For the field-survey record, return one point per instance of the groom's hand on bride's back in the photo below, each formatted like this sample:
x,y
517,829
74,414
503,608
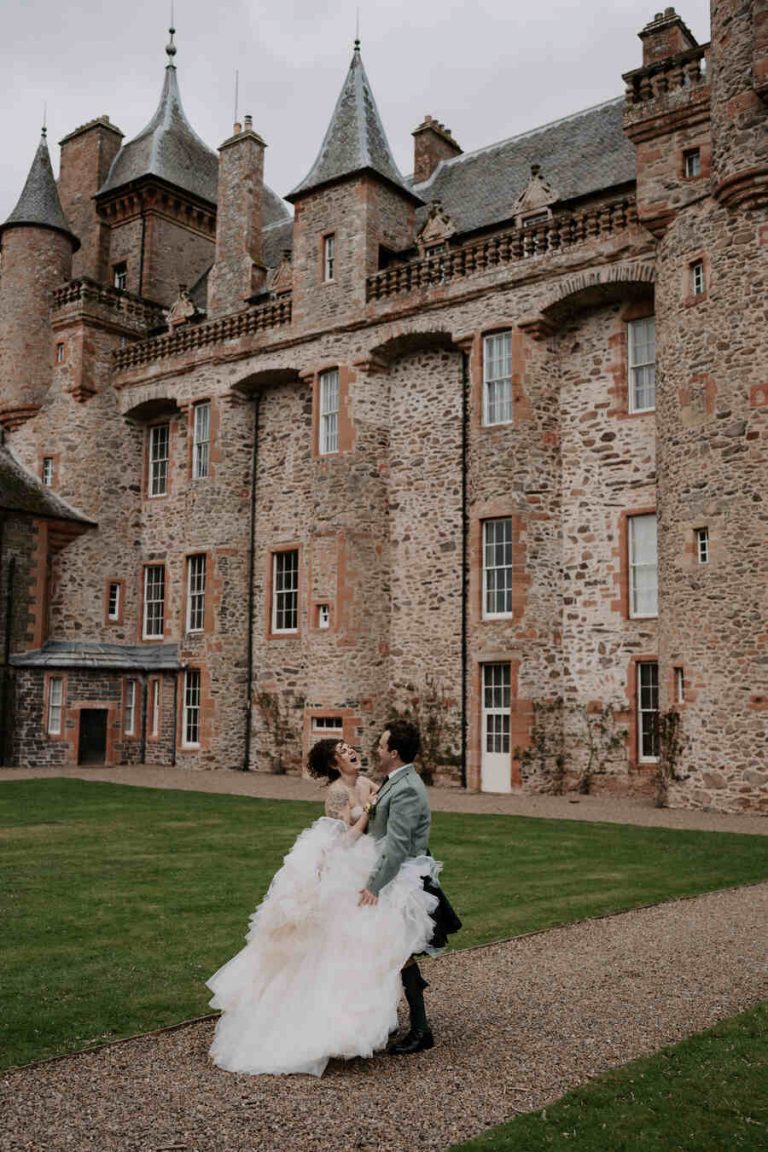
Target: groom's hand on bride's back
x,y
368,898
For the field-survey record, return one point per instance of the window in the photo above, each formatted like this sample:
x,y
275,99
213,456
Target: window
x,y
191,720
497,378
196,593
326,727
535,220
323,615
55,697
154,708
496,708
60,353
48,471
285,591
329,256
129,712
679,686
114,598
698,282
159,439
647,712
154,601
692,163
702,545
641,339
201,437
497,568
120,276
643,587
329,412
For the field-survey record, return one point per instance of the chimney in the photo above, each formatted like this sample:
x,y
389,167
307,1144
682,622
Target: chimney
x,y
665,36
86,157
238,271
433,142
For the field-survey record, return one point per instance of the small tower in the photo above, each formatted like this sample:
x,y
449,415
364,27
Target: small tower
x,y
37,247
352,208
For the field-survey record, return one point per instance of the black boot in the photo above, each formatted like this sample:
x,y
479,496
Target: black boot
x,y
420,1037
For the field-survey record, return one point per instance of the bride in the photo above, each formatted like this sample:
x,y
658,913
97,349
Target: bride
x,y
319,975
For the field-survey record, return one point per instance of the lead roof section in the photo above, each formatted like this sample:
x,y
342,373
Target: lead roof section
x,y
355,140
88,654
39,202
22,492
581,155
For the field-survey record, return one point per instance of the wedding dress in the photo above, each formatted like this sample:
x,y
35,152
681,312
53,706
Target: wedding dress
x,y
319,975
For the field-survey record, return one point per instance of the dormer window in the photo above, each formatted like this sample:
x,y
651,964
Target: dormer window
x,y
120,276
329,257
535,220
435,249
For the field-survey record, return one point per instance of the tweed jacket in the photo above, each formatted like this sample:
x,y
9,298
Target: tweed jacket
x,y
401,819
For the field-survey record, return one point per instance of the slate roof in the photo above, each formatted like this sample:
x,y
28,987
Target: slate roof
x,y
581,154
355,140
39,201
21,491
88,654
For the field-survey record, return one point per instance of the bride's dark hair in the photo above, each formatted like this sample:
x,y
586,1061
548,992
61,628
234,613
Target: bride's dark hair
x,y
321,760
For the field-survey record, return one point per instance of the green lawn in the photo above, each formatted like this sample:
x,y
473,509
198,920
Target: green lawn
x,y
118,902
707,1094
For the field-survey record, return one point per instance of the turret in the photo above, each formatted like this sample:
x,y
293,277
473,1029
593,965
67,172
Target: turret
x,y
351,211
37,247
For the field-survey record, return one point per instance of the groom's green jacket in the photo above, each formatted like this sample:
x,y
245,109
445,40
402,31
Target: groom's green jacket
x,y
401,819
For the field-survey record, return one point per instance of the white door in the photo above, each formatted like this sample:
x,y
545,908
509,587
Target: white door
x,y
496,758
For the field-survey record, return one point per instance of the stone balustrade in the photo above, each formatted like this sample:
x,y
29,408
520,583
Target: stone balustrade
x,y
190,337
560,232
87,291
685,70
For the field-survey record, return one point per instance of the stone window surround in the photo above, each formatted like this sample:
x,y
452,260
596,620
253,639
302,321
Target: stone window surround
x,y
690,298
62,677
60,352
621,604
169,474
135,732
166,613
325,238
55,458
640,615
521,579
269,586
631,411
352,725
109,620
193,408
346,435
619,363
111,709
330,376
207,599
497,330
704,148
184,745
521,715
486,615
633,734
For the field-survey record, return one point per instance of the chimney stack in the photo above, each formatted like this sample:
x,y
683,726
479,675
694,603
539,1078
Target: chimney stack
x,y
238,271
433,142
665,36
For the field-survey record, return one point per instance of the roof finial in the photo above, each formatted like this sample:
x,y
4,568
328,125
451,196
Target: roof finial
x,y
45,120
357,29
171,47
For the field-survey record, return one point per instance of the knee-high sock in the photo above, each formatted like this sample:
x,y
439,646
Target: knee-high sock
x,y
414,985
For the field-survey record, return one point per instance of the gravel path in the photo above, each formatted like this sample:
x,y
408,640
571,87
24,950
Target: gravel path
x,y
518,1024
613,810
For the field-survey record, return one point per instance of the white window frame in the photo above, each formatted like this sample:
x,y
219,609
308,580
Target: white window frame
x,y
702,545
155,706
196,580
641,363
698,278
150,617
191,708
328,417
55,705
645,690
113,613
497,577
324,728
60,352
201,440
158,452
129,710
497,378
692,159
120,276
329,257
285,592
638,564
497,708
323,616
47,475
679,685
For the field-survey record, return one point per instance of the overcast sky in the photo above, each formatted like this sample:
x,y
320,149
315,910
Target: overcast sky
x,y
489,69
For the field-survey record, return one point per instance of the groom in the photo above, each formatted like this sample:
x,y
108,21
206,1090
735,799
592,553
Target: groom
x,y
401,819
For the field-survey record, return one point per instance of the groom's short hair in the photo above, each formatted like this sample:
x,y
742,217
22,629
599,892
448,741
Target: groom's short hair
x,y
405,739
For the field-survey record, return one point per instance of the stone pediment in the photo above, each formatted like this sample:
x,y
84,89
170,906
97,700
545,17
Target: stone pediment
x,y
437,228
537,196
282,277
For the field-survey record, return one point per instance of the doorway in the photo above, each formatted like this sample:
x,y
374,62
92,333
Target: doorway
x,y
92,744
496,757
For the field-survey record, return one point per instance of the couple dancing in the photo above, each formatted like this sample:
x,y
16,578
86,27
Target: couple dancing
x,y
334,940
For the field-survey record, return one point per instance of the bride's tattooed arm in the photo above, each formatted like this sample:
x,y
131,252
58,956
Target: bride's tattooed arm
x,y
337,804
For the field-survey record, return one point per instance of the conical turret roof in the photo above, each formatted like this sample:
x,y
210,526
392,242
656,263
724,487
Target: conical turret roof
x,y
168,148
355,140
39,203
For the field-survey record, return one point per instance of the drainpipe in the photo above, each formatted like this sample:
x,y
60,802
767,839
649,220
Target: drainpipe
x,y
464,560
251,592
175,716
141,249
5,684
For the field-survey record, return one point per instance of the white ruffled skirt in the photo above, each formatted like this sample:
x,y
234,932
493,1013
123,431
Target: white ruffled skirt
x,y
319,975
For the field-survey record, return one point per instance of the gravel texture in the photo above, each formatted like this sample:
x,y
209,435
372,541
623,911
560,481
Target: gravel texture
x,y
517,1025
613,810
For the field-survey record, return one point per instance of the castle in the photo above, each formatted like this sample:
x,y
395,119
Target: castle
x,y
487,444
